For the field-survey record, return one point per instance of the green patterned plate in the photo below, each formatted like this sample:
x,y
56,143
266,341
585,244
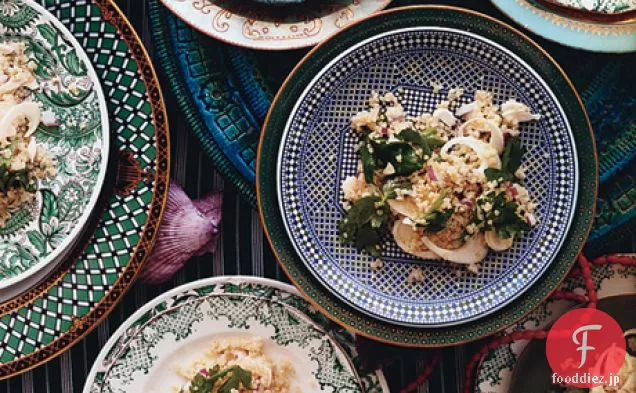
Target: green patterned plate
x,y
53,315
42,232
179,325
495,372
287,98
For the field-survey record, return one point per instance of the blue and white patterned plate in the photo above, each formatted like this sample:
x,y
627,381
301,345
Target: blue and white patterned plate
x,y
317,153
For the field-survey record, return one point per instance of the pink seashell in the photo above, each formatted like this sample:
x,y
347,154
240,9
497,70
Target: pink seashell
x,y
188,229
210,206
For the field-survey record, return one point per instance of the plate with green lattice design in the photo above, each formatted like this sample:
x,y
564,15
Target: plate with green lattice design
x,y
494,373
78,292
148,349
73,129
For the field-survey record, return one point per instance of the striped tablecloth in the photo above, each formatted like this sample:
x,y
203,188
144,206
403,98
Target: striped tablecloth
x,y
242,250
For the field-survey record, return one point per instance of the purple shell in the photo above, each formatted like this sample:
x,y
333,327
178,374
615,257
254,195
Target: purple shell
x,y
188,228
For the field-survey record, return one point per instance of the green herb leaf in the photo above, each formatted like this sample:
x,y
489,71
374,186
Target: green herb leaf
x,y
401,155
230,378
238,379
391,186
510,162
436,219
426,140
368,161
365,224
501,215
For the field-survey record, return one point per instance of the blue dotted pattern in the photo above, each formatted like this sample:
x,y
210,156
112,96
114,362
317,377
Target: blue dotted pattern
x,y
318,153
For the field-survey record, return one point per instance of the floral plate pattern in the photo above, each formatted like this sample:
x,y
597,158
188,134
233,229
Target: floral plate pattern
x,y
43,231
605,6
265,27
317,153
494,373
581,34
135,357
48,318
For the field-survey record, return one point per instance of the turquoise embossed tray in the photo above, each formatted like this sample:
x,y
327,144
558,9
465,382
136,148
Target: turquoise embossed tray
x,y
225,92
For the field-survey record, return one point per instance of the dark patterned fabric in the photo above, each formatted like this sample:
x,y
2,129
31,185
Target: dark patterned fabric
x,y
605,82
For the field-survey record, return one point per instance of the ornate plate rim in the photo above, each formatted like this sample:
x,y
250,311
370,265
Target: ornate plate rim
x,y
306,43
164,52
412,337
552,318
111,13
61,251
237,280
542,269
536,20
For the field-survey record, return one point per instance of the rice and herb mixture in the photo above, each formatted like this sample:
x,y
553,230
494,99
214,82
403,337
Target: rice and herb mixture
x,y
22,161
446,185
237,365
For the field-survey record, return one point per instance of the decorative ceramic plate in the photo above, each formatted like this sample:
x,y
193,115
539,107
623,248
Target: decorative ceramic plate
x,y
273,28
494,374
44,230
318,151
218,90
617,37
175,327
604,6
48,318
383,299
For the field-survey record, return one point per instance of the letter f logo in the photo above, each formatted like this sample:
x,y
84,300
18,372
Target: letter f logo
x,y
584,347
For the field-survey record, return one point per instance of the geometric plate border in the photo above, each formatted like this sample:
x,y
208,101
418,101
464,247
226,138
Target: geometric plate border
x,y
405,17
31,334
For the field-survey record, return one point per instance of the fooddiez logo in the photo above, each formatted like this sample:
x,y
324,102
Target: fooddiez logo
x,y
586,349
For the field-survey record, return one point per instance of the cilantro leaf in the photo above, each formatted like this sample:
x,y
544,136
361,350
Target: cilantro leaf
x,y
495,212
435,221
426,140
510,162
369,164
436,218
389,189
365,224
239,378
401,155
234,377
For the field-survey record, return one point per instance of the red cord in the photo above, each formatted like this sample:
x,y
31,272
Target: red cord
x,y
591,300
562,295
616,259
428,369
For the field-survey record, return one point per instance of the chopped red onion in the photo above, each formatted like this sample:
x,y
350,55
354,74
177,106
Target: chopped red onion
x,y
430,172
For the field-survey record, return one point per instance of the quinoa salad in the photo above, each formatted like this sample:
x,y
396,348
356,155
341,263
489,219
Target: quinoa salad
x,y
446,185
23,162
237,365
